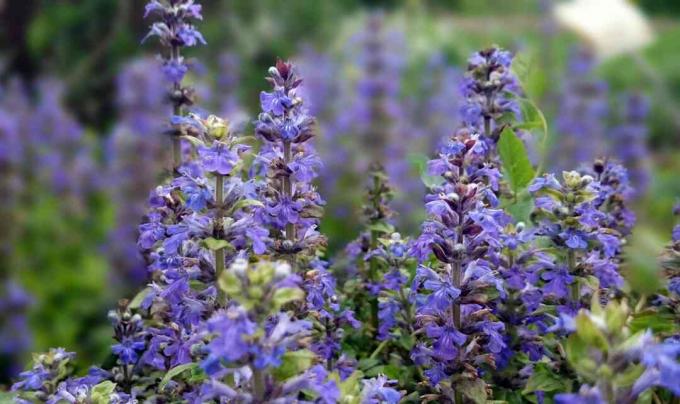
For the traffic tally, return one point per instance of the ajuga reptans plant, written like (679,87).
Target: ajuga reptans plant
(486,303)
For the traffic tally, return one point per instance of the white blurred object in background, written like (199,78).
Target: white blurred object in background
(610,27)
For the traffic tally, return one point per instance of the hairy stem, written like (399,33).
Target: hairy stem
(219,204)
(288,188)
(177,110)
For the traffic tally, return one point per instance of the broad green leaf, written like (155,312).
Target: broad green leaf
(532,118)
(367,363)
(518,168)
(589,332)
(544,379)
(230,284)
(520,209)
(176,371)
(293,363)
(657,322)
(577,355)
(101,393)
(286,295)
(628,377)
(7,397)
(391,371)
(214,244)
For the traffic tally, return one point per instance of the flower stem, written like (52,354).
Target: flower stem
(259,386)
(571,262)
(219,202)
(177,110)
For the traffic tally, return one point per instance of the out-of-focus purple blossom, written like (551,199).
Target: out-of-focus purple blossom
(136,155)
(582,114)
(60,147)
(15,335)
(629,141)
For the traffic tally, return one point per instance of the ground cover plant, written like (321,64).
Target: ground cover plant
(511,290)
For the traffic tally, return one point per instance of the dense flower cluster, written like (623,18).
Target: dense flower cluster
(288,162)
(454,292)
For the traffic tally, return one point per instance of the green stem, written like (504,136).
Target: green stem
(259,386)
(379,349)
(288,191)
(219,202)
(571,262)
(177,111)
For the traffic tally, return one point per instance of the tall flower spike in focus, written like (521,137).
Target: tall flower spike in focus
(198,224)
(574,216)
(459,336)
(289,163)
(292,206)
(175,31)
(490,90)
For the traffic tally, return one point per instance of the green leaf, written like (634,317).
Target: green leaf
(230,284)
(419,164)
(391,371)
(532,118)
(7,397)
(518,168)
(176,371)
(474,390)
(294,363)
(214,244)
(589,332)
(544,379)
(350,388)
(139,298)
(381,227)
(520,208)
(657,322)
(577,355)
(244,203)
(101,393)
(286,295)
